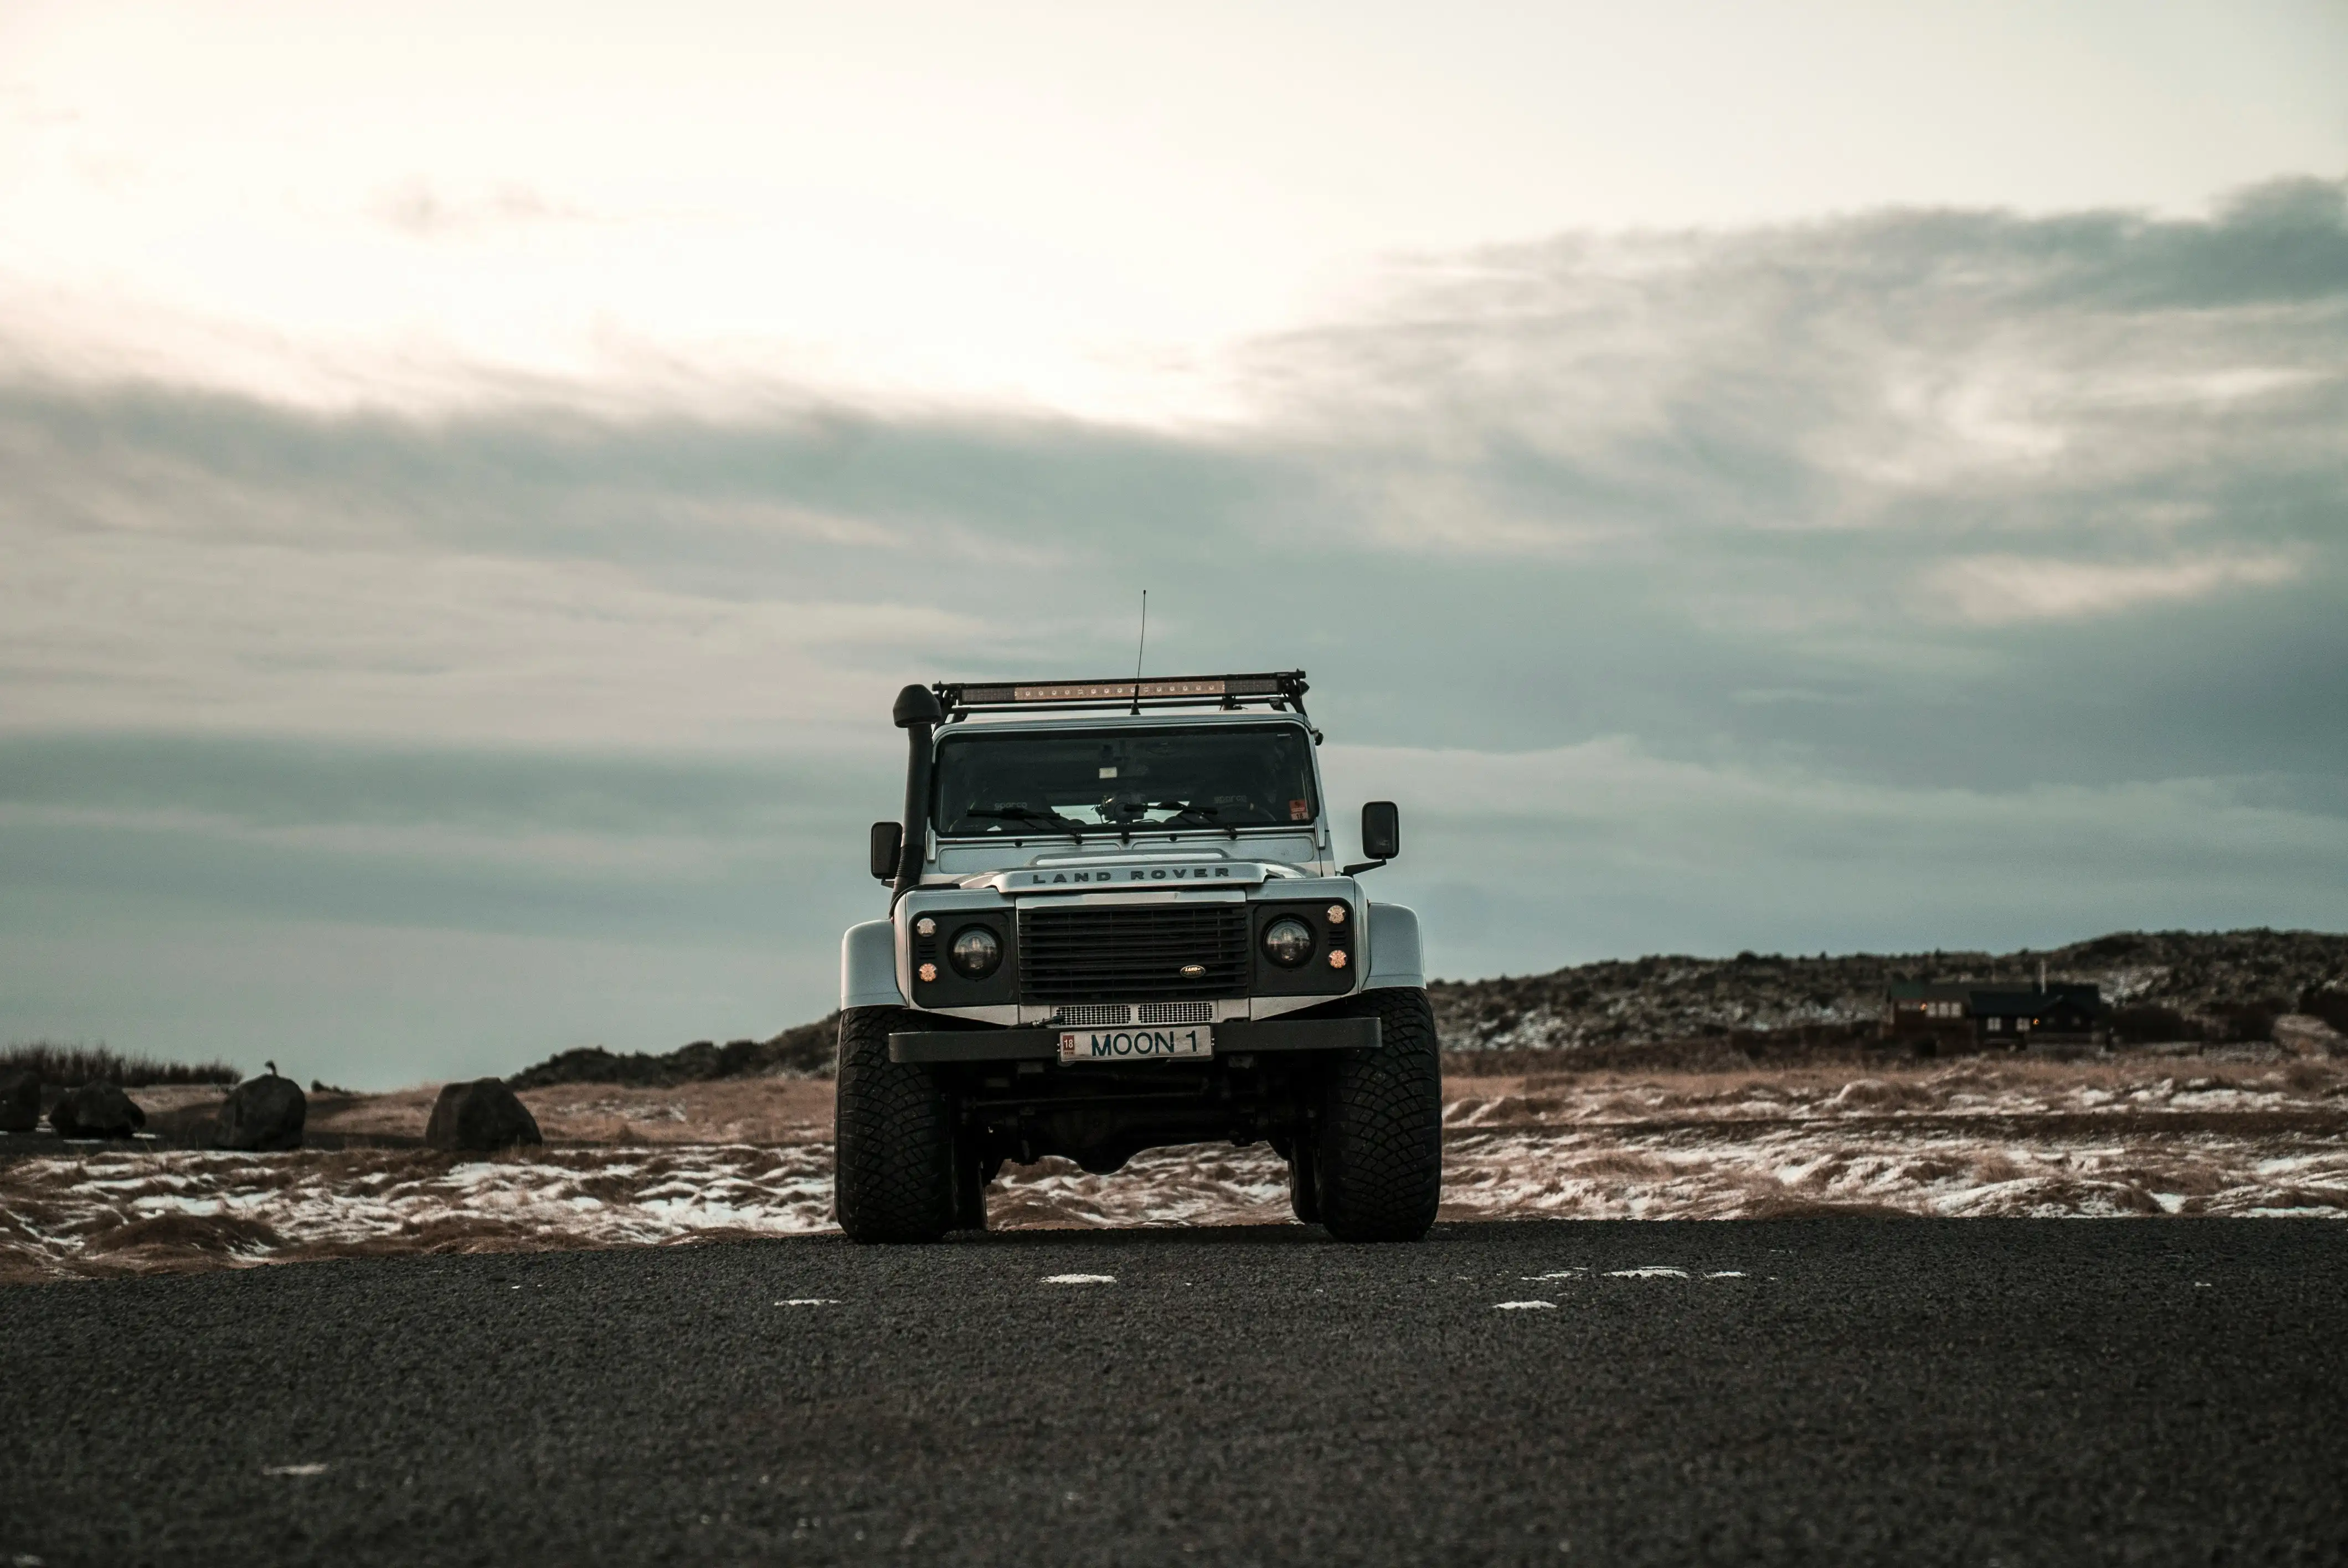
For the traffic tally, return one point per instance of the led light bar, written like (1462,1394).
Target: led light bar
(1284,688)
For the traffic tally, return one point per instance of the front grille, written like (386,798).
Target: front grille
(1096,953)
(1177,1013)
(1092,1015)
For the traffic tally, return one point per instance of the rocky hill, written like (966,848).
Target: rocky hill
(803,1050)
(2210,986)
(2161,986)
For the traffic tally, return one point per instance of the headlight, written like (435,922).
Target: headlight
(1288,942)
(975,952)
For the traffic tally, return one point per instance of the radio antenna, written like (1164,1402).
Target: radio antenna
(1139,649)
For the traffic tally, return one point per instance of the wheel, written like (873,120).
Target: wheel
(1379,1167)
(1303,1197)
(893,1132)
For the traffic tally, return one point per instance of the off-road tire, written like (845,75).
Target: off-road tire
(1379,1167)
(892,1130)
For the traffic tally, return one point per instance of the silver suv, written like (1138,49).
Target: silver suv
(1117,921)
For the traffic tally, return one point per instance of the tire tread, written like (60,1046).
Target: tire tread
(892,1134)
(1381,1155)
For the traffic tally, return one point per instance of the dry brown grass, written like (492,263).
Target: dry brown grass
(635,1165)
(786,1111)
(73,1065)
(719,1111)
(1899,1084)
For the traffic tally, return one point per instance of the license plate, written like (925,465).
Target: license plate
(1137,1044)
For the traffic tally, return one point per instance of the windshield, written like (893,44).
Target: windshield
(1198,778)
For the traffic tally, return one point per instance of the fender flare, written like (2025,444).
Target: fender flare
(1395,960)
(868,967)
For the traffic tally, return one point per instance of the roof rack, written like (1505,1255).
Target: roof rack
(1279,689)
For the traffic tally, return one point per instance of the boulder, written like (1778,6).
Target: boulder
(20,1100)
(97,1110)
(264,1113)
(482,1114)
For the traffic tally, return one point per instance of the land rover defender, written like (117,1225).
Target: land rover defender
(1117,921)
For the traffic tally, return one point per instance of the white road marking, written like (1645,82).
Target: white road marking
(1080,1279)
(1726,1274)
(1521,1306)
(294,1470)
(807,1301)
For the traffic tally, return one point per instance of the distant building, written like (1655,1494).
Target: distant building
(1990,1018)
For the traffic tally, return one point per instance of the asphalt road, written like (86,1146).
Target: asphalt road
(1977,1391)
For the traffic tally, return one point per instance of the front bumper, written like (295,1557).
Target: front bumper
(1235,1039)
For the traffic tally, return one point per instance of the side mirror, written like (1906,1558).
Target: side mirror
(888,842)
(1381,830)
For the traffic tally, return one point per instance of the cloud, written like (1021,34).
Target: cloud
(1912,578)
(2000,589)
(195,560)
(1592,485)
(1610,848)
(1911,371)
(422,211)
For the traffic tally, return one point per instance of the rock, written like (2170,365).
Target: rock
(264,1113)
(97,1110)
(482,1114)
(2302,1034)
(20,1100)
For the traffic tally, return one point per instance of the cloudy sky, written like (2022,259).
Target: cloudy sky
(1810,477)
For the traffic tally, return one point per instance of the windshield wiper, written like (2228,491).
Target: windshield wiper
(1192,817)
(1050,819)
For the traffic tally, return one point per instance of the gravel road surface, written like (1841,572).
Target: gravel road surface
(1800,1390)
